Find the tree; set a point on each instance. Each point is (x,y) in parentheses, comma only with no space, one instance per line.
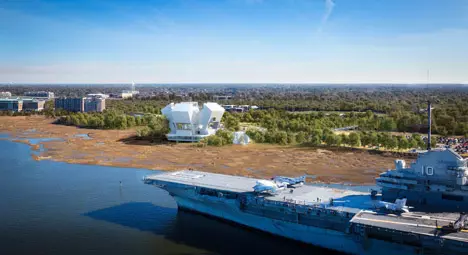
(248,117)
(75,120)
(413,143)
(433,141)
(138,121)
(374,139)
(333,140)
(256,135)
(120,122)
(159,126)
(315,140)
(392,143)
(388,124)
(354,139)
(403,143)
(131,121)
(281,137)
(384,140)
(301,137)
(231,123)
(344,139)
(226,136)
(291,138)
(213,140)
(420,141)
(143,132)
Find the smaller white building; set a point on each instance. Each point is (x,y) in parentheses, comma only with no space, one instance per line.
(189,122)
(130,93)
(5,94)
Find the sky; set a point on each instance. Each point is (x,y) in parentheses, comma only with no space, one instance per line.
(234,41)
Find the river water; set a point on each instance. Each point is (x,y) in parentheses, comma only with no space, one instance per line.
(51,207)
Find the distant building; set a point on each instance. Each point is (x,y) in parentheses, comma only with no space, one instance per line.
(126,94)
(40,94)
(70,104)
(129,93)
(33,105)
(216,98)
(98,95)
(239,108)
(94,104)
(81,104)
(5,94)
(11,104)
(189,122)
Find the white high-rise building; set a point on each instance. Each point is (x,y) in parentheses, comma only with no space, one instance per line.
(189,122)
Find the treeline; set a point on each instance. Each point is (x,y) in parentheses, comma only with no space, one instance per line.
(443,123)
(318,137)
(24,113)
(136,106)
(109,120)
(382,99)
(152,127)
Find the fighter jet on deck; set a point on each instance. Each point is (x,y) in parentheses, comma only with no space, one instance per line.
(289,180)
(270,187)
(398,207)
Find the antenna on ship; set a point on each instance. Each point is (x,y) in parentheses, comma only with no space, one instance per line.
(429,109)
(429,120)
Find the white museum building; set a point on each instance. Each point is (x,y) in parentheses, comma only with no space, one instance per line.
(190,123)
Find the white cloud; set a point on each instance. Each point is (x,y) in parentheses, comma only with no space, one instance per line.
(329,6)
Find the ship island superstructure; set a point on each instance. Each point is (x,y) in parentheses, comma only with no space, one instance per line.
(436,180)
(338,219)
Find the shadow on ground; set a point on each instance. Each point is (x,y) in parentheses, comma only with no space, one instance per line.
(135,140)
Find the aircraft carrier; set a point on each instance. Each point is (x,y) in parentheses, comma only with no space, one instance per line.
(338,219)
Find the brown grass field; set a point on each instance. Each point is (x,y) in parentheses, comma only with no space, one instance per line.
(119,148)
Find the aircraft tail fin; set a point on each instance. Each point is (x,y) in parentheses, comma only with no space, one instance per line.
(400,203)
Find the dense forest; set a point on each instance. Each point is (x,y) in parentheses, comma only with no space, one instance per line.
(289,114)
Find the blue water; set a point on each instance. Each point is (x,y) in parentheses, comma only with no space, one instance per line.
(83,136)
(51,207)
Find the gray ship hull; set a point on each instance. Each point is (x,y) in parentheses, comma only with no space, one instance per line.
(330,239)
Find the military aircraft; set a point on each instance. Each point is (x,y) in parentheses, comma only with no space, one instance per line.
(398,207)
(289,180)
(266,186)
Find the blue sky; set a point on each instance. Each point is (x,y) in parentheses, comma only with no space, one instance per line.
(278,41)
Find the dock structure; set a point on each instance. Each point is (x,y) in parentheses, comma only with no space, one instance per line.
(315,215)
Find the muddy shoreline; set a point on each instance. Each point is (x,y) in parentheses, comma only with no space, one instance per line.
(119,148)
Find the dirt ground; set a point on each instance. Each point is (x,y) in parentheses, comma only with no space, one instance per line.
(118,148)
